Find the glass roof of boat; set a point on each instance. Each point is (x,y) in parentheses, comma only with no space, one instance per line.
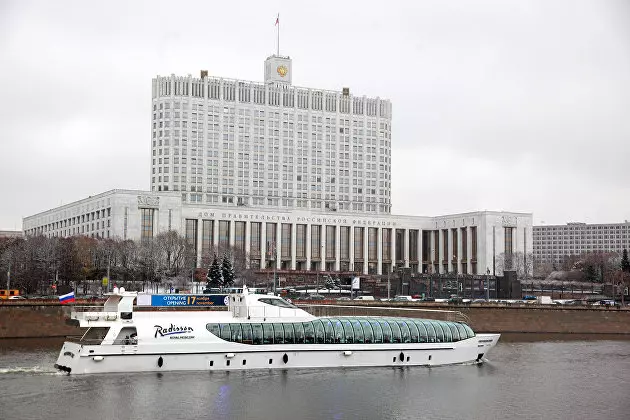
(344,330)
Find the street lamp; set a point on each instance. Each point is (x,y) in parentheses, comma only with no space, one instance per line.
(488,272)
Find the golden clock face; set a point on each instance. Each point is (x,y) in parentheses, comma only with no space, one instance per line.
(282,71)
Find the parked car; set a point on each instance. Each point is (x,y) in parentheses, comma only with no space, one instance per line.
(344,298)
(315,297)
(17,298)
(364,298)
(402,298)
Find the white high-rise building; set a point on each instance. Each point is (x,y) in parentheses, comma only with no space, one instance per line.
(270,145)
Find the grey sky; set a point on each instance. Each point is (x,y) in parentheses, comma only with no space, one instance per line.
(498,105)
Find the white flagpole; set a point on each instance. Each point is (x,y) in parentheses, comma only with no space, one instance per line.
(278,24)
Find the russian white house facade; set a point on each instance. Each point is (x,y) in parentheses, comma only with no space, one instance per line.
(295,178)
(271,144)
(298,239)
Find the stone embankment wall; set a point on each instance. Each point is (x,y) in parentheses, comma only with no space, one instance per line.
(24,320)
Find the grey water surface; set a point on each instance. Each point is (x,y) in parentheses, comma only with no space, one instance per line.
(538,377)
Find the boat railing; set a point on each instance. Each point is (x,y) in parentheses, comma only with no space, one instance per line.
(348,310)
(265,312)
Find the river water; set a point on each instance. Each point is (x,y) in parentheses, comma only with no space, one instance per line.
(525,377)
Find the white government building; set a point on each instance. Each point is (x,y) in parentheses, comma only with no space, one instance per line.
(294,177)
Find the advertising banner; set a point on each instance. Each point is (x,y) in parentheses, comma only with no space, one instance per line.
(189,300)
(356,283)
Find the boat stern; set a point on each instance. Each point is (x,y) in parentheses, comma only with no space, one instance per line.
(68,357)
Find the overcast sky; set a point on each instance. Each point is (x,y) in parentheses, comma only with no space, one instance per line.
(498,105)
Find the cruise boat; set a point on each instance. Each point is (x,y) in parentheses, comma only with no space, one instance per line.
(258,332)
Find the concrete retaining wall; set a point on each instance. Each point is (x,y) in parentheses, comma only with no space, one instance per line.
(49,320)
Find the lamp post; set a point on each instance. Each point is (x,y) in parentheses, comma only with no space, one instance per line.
(487,284)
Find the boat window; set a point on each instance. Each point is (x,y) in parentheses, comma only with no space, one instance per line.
(225,332)
(214,329)
(127,336)
(431,331)
(454,331)
(258,333)
(237,333)
(413,328)
(299,333)
(404,330)
(378,332)
(289,338)
(339,335)
(309,333)
(462,331)
(277,302)
(448,336)
(247,334)
(328,331)
(395,331)
(423,335)
(319,331)
(348,331)
(358,331)
(278,331)
(439,332)
(267,334)
(387,332)
(367,331)
(469,330)
(95,335)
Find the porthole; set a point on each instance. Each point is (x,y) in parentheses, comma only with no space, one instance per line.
(429,357)
(227,363)
(270,361)
(408,358)
(244,362)
(394,360)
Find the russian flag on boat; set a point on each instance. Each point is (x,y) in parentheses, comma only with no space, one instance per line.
(67,298)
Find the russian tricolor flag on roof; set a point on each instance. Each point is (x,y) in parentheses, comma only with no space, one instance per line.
(67,298)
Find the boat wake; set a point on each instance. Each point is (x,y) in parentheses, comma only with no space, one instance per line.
(30,370)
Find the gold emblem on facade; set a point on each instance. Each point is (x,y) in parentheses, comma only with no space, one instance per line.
(282,70)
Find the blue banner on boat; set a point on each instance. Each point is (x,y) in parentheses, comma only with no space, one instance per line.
(188,300)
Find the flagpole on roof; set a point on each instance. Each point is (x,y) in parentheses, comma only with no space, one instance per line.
(278,33)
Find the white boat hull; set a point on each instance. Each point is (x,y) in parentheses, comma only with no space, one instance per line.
(76,358)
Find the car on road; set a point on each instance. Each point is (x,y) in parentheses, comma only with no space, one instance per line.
(403,298)
(17,298)
(344,298)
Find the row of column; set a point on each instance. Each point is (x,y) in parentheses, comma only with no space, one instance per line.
(439,260)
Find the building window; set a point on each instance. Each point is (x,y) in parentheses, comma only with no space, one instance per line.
(191,232)
(285,243)
(372,244)
(330,242)
(146,224)
(207,235)
(239,236)
(316,241)
(300,241)
(344,243)
(255,239)
(358,244)
(224,234)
